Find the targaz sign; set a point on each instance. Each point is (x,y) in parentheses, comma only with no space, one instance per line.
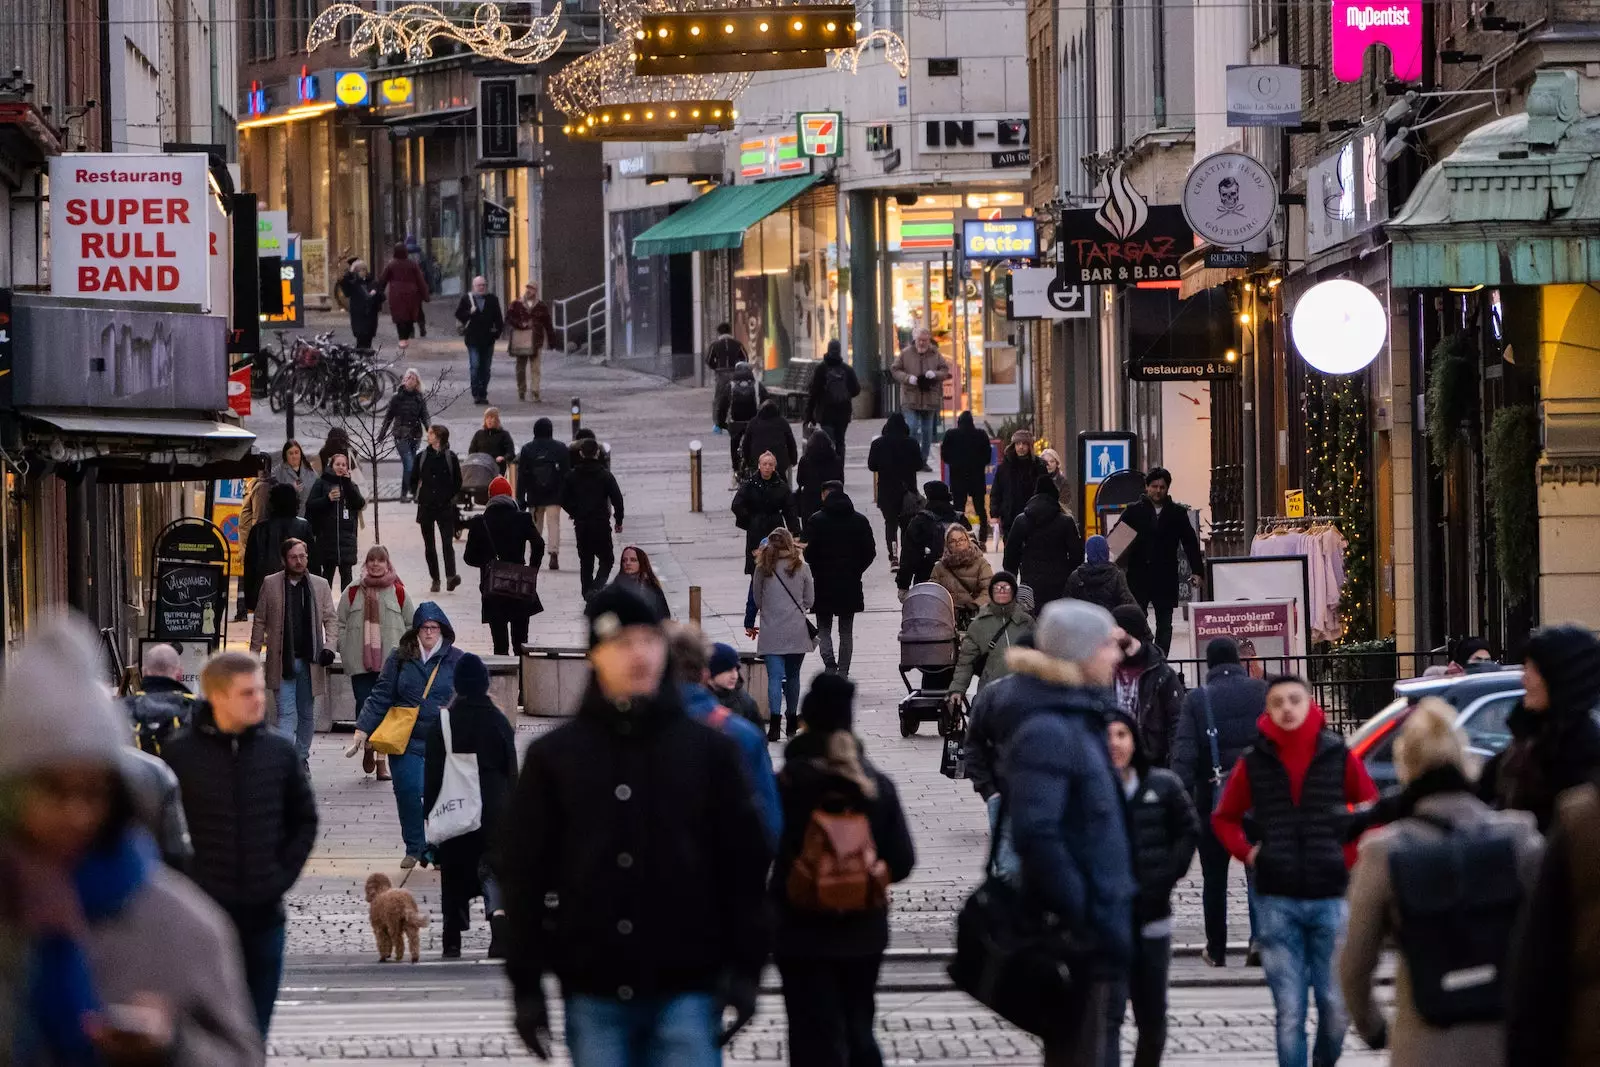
(130,228)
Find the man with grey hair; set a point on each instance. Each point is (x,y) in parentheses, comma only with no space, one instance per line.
(1065,812)
(921,372)
(481,324)
(163,703)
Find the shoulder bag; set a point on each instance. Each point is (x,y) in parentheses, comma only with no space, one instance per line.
(394,732)
(459,809)
(1218,778)
(513,581)
(811,627)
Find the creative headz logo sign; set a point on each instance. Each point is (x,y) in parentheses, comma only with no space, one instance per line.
(1358,25)
(1124,241)
(820,133)
(1229,199)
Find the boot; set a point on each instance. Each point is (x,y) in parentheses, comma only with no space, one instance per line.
(498,937)
(383,767)
(452,581)
(434,588)
(789,726)
(452,943)
(555,561)
(369,761)
(773,729)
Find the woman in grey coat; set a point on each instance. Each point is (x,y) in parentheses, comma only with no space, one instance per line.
(294,469)
(783,592)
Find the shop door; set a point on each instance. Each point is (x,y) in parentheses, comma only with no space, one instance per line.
(446,246)
(680,313)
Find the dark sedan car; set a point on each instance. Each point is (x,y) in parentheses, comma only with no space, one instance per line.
(1483,700)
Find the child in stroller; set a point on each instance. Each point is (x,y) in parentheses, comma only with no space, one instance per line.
(929,642)
(478,469)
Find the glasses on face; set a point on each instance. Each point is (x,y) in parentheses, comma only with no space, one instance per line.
(430,628)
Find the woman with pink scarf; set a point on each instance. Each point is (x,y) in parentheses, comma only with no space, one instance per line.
(373,612)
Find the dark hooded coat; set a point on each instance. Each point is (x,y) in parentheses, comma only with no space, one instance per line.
(769,431)
(895,458)
(1043,548)
(839,550)
(965,450)
(262,553)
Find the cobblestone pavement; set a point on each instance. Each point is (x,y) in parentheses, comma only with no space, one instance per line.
(649,425)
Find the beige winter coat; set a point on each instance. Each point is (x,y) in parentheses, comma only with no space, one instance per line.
(968,582)
(1375,921)
(917,393)
(266,632)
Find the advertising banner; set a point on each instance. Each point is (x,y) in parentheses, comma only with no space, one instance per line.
(1124,241)
(1359,24)
(1265,630)
(1263,96)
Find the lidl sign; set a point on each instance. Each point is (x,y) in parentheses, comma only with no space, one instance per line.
(351,88)
(999,239)
(821,133)
(395,90)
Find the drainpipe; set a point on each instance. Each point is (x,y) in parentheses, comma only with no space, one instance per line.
(1159,13)
(211,41)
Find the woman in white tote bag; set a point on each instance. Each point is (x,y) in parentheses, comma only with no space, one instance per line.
(470,767)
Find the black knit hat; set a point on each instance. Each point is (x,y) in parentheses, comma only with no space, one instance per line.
(1141,759)
(1221,650)
(936,491)
(612,608)
(472,677)
(1045,485)
(1568,658)
(829,704)
(1002,576)
(1132,619)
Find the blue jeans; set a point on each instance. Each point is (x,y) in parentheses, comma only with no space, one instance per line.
(406,772)
(361,686)
(783,680)
(1007,864)
(1297,939)
(407,448)
(261,948)
(924,425)
(678,1031)
(297,709)
(478,364)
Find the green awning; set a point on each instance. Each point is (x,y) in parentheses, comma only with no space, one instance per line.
(719,218)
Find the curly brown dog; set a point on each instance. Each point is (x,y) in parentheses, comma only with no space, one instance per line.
(395,918)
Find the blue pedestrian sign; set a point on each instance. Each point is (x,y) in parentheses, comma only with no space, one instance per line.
(1105,458)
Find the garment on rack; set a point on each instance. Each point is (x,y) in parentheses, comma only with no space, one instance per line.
(1323,546)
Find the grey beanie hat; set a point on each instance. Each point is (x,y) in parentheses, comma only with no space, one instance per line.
(1072,630)
(55,705)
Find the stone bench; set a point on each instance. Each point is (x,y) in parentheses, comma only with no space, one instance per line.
(553,679)
(340,708)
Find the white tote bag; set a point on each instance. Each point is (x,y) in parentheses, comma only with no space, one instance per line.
(459,809)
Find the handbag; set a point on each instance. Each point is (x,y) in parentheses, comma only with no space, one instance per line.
(394,732)
(811,627)
(1218,778)
(459,809)
(511,580)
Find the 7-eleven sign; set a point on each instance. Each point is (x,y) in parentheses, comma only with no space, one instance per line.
(821,133)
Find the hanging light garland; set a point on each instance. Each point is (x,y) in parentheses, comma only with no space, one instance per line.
(705,36)
(411,29)
(604,99)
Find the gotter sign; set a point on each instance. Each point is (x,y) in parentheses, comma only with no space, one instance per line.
(1360,24)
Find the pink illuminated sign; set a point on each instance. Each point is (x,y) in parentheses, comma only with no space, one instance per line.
(1358,25)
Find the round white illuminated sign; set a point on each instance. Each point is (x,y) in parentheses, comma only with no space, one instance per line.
(1339,326)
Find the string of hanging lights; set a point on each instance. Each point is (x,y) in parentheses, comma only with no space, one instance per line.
(603,82)
(411,29)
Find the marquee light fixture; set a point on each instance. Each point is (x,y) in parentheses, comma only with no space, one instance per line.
(763,37)
(410,30)
(650,120)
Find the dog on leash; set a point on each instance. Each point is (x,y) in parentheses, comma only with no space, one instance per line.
(395,918)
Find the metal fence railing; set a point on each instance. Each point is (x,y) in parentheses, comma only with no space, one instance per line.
(1351,687)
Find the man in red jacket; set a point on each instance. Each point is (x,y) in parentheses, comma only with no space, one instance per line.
(1295,781)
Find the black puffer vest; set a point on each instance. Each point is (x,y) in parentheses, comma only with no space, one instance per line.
(1301,852)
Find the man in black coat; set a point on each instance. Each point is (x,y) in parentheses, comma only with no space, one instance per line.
(769,431)
(504,533)
(738,399)
(542,469)
(252,815)
(263,553)
(635,872)
(833,387)
(724,353)
(965,450)
(1163,529)
(924,539)
(592,497)
(481,326)
(1044,545)
(364,300)
(763,503)
(1235,702)
(840,550)
(895,458)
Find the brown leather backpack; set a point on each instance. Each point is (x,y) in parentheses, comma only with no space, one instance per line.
(838,869)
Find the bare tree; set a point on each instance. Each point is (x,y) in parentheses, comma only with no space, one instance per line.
(368,440)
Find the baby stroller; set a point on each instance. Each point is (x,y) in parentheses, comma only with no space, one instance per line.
(477,471)
(929,642)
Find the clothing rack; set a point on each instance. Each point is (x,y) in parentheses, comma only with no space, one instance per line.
(1285,522)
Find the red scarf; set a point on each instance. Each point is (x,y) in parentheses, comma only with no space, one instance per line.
(372,651)
(1295,747)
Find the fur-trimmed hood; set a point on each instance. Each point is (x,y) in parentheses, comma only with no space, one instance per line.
(1035,664)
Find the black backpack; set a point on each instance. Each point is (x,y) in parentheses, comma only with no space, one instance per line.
(1458,899)
(742,403)
(836,387)
(157,719)
(546,473)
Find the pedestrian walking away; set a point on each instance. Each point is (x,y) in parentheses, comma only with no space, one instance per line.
(965,453)
(638,824)
(841,814)
(1148,688)
(1555,743)
(472,725)
(1060,794)
(542,468)
(334,512)
(251,512)
(1395,898)
(1097,579)
(252,816)
(481,322)
(363,299)
(373,615)
(504,533)
(532,331)
(639,577)
(1215,726)
(964,573)
(296,625)
(1016,480)
(1163,530)
(921,371)
(417,680)
(263,553)
(783,590)
(724,354)
(770,432)
(995,628)
(406,289)
(925,535)
(92,917)
(820,465)
(727,685)
(1162,831)
(831,395)
(493,439)
(591,496)
(737,401)
(407,417)
(840,551)
(1043,544)
(438,484)
(162,706)
(895,458)
(1294,782)
(763,503)
(294,469)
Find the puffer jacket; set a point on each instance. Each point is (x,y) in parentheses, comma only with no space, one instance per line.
(407,415)
(769,431)
(760,506)
(967,582)
(503,533)
(1160,699)
(1163,831)
(252,815)
(840,550)
(1014,480)
(591,495)
(995,629)
(437,481)
(263,552)
(1100,583)
(1043,548)
(336,522)
(965,450)
(497,443)
(403,682)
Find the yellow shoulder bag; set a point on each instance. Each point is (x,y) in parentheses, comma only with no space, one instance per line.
(394,732)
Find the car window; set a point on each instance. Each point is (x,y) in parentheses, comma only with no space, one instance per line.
(1485,723)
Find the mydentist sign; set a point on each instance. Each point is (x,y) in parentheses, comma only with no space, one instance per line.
(1359,24)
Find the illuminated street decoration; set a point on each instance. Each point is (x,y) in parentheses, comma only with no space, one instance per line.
(740,35)
(411,29)
(666,107)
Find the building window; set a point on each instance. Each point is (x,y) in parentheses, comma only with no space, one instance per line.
(885,15)
(263,29)
(300,12)
(1263,19)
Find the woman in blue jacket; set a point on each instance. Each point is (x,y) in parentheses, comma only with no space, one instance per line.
(421,673)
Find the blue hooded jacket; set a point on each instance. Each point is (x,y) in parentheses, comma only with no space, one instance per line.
(1065,806)
(402,683)
(699,702)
